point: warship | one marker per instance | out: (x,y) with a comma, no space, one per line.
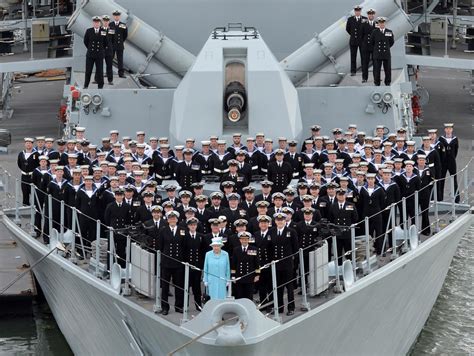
(181,59)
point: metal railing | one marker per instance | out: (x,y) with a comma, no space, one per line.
(70,217)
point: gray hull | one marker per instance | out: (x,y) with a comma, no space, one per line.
(382,314)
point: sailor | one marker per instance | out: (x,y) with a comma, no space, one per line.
(354,29)
(450,146)
(171,244)
(144,211)
(27,163)
(95,40)
(233,175)
(233,212)
(266,191)
(216,209)
(243,166)
(368,26)
(381,41)
(248,203)
(194,254)
(188,172)
(294,159)
(408,182)
(161,163)
(59,190)
(283,245)
(109,56)
(220,159)
(279,172)
(153,227)
(204,159)
(427,176)
(117,216)
(262,242)
(120,33)
(40,178)
(343,213)
(87,205)
(432,157)
(245,267)
(202,214)
(308,235)
(392,195)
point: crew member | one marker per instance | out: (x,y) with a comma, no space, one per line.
(95,40)
(244,265)
(368,26)
(450,146)
(27,163)
(279,172)
(381,41)
(120,35)
(194,254)
(354,29)
(109,50)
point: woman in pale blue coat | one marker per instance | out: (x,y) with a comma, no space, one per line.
(216,270)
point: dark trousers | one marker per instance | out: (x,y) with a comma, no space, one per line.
(376,230)
(244,290)
(387,68)
(25,188)
(354,50)
(99,68)
(385,217)
(284,280)
(265,287)
(175,276)
(346,245)
(88,230)
(39,204)
(366,58)
(448,165)
(195,285)
(424,202)
(119,54)
(121,249)
(109,62)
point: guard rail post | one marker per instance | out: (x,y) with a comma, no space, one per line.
(50,213)
(126,290)
(61,222)
(186,293)
(465,195)
(353,250)
(32,209)
(276,312)
(157,305)
(73,258)
(405,219)
(435,203)
(337,288)
(17,201)
(97,248)
(367,244)
(417,211)
(453,197)
(393,213)
(305,305)
(111,250)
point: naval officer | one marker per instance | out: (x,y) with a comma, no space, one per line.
(381,40)
(368,26)
(95,40)
(109,49)
(354,29)
(120,33)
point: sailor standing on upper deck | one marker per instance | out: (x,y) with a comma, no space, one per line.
(95,40)
(354,29)
(120,35)
(382,39)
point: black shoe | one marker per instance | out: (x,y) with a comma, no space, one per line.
(290,312)
(122,76)
(164,312)
(85,87)
(178,310)
(364,80)
(353,74)
(111,83)
(94,82)
(300,293)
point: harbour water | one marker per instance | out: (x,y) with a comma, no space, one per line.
(449,330)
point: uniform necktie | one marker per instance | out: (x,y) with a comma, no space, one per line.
(157,224)
(193,236)
(119,205)
(173,230)
(245,249)
(340,206)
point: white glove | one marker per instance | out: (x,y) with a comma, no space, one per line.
(206,284)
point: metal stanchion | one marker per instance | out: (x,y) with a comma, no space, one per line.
(405,219)
(111,250)
(417,211)
(32,209)
(353,248)
(157,305)
(126,289)
(61,223)
(50,213)
(337,288)
(367,244)
(453,197)
(17,202)
(73,258)
(465,195)
(304,305)
(97,248)
(186,293)
(435,203)
(393,214)
(276,312)
(229,289)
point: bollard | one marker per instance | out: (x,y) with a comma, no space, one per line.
(126,290)
(32,210)
(353,252)
(17,202)
(337,288)
(73,258)
(61,222)
(186,293)
(157,305)
(50,213)
(97,249)
(367,244)
(305,305)
(417,211)
(276,312)
(111,250)
(453,197)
